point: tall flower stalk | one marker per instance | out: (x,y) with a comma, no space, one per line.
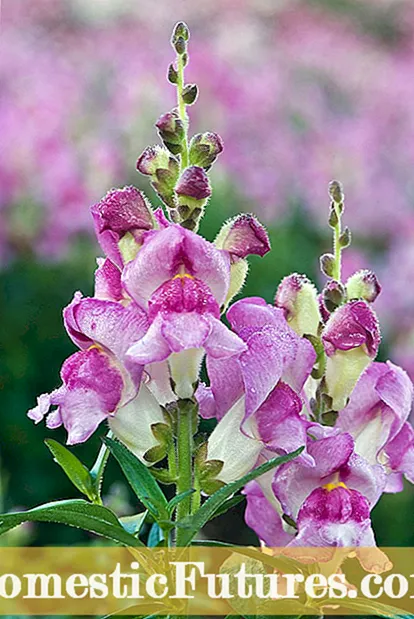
(309,427)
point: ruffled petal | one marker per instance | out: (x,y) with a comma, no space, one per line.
(108,281)
(221,342)
(169,251)
(263,518)
(93,321)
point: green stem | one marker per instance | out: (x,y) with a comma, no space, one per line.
(185,473)
(182,110)
(172,461)
(337,246)
(98,469)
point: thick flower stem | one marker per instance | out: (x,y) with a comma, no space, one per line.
(185,461)
(182,110)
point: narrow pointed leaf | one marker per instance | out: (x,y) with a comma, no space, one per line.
(73,467)
(133,524)
(140,479)
(206,511)
(177,499)
(74,513)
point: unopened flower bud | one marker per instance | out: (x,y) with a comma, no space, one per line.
(333,217)
(298,297)
(363,285)
(171,130)
(152,159)
(163,168)
(172,74)
(351,338)
(180,45)
(120,219)
(345,238)
(336,192)
(205,148)
(243,235)
(194,184)
(327,264)
(181,30)
(190,94)
(333,295)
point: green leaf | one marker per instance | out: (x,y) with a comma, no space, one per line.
(73,467)
(232,502)
(178,498)
(140,479)
(155,536)
(75,513)
(133,524)
(207,510)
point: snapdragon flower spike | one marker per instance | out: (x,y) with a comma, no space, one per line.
(256,395)
(363,285)
(351,338)
(241,236)
(121,218)
(181,280)
(298,297)
(98,384)
(377,417)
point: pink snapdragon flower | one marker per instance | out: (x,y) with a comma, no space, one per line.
(377,417)
(181,280)
(329,503)
(256,395)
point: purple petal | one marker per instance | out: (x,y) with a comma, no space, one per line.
(294,481)
(108,281)
(171,251)
(111,325)
(206,403)
(263,518)
(183,331)
(221,342)
(400,452)
(350,326)
(152,347)
(183,294)
(225,381)
(279,424)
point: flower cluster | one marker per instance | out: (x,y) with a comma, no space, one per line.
(297,373)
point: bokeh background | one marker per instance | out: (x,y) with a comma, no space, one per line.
(301,92)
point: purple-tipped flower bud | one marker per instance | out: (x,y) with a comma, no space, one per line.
(194,183)
(120,219)
(243,235)
(163,168)
(351,338)
(171,130)
(152,159)
(298,297)
(205,148)
(363,285)
(327,264)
